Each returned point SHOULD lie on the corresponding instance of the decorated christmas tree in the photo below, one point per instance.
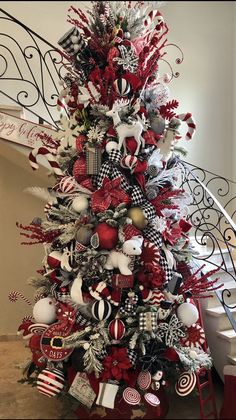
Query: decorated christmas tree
(115, 323)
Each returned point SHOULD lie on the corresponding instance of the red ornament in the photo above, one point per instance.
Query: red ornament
(108, 236)
(54, 259)
(80, 142)
(116, 329)
(50, 382)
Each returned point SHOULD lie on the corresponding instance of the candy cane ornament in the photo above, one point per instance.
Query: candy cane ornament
(14, 296)
(188, 119)
(151, 16)
(43, 151)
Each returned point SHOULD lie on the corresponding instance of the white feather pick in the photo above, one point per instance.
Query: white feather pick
(41, 193)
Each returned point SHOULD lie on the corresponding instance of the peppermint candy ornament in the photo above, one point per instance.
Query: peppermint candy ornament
(116, 329)
(195, 336)
(144, 380)
(131, 396)
(50, 382)
(150, 253)
(186, 383)
(68, 185)
(152, 399)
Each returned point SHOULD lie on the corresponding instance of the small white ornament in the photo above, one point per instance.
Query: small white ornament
(111, 145)
(76, 292)
(187, 314)
(80, 204)
(74, 39)
(158, 375)
(44, 311)
(193, 354)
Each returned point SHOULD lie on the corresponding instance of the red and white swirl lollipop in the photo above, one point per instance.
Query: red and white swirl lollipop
(144, 380)
(152, 399)
(131, 396)
(186, 383)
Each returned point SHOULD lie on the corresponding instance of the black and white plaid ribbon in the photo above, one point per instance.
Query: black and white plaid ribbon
(153, 236)
(66, 41)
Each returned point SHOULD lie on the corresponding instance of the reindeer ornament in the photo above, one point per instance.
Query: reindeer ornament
(125, 130)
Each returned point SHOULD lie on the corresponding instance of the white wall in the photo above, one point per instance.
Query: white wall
(204, 31)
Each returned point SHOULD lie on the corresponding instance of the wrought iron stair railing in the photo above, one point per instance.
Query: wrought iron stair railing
(211, 214)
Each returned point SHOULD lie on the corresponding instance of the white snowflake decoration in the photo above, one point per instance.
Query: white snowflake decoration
(88, 95)
(171, 331)
(95, 135)
(68, 132)
(128, 59)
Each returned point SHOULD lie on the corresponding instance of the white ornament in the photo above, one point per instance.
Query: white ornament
(193, 354)
(121, 260)
(158, 375)
(44, 311)
(111, 145)
(166, 144)
(76, 292)
(80, 204)
(187, 314)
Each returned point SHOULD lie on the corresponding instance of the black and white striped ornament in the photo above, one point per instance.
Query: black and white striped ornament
(50, 382)
(101, 310)
(122, 87)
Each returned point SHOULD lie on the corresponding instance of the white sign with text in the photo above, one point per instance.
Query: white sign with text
(21, 131)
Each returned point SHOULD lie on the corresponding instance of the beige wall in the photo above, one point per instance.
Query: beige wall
(18, 262)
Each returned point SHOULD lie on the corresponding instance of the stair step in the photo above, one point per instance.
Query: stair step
(228, 335)
(232, 359)
(218, 311)
(231, 285)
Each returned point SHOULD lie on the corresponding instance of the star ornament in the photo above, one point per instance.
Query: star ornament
(195, 336)
(171, 332)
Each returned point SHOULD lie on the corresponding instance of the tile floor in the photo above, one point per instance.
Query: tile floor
(19, 401)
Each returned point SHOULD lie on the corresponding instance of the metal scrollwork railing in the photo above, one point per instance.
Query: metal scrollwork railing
(212, 214)
(30, 69)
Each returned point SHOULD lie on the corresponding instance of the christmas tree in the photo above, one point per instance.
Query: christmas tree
(115, 320)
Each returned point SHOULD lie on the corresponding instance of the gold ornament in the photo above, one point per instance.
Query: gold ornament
(138, 218)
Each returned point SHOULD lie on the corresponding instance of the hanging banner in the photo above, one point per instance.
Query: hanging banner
(23, 132)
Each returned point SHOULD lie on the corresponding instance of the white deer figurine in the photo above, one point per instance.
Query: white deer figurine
(126, 130)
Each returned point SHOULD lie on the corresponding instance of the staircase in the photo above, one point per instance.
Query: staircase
(220, 334)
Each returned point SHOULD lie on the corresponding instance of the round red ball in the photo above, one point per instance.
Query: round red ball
(108, 236)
